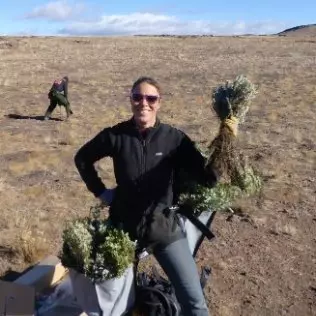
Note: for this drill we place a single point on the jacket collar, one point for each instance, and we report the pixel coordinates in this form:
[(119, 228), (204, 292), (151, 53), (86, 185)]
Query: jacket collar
[(146, 132), (133, 123)]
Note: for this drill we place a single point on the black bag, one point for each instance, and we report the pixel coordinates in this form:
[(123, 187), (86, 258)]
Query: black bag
[(155, 295)]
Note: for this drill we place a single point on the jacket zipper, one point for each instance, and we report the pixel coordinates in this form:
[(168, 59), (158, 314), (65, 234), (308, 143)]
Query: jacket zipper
[(142, 166), (144, 152), (144, 143)]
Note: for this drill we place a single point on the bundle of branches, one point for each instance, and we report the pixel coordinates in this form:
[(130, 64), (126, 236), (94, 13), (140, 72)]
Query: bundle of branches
[(231, 103), (93, 247), (197, 198)]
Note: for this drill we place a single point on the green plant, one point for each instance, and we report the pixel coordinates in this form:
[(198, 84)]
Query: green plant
[(93, 247), (233, 98)]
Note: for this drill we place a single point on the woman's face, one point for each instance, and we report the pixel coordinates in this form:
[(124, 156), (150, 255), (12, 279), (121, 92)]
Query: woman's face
[(145, 101)]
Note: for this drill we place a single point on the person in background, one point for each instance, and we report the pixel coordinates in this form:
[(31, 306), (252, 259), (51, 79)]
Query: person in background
[(146, 156), (58, 94)]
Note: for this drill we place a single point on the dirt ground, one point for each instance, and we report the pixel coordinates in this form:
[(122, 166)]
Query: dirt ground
[(263, 260)]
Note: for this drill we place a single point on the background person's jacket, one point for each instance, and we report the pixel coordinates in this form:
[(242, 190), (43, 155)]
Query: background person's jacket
[(144, 168), (60, 86)]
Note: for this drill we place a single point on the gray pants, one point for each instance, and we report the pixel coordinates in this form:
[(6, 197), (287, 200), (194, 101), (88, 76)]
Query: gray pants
[(179, 265)]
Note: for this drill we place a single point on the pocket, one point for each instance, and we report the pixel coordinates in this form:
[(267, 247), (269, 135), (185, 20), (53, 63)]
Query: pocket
[(164, 226)]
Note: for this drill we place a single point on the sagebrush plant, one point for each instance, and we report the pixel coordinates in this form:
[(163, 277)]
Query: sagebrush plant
[(93, 247), (230, 102), (116, 243), (246, 182), (247, 178), (77, 245), (233, 98), (200, 198)]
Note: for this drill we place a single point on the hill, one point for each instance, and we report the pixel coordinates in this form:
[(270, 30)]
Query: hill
[(302, 30)]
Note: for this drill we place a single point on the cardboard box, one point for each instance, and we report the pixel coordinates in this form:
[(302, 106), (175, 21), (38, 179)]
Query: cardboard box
[(43, 275), (16, 299)]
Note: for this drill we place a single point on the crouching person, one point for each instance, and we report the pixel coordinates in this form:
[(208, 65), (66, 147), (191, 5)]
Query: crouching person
[(58, 94)]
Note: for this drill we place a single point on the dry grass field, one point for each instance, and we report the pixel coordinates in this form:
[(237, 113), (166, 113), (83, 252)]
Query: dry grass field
[(263, 260)]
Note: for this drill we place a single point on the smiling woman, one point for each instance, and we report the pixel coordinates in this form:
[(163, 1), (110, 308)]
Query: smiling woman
[(147, 155), (145, 101)]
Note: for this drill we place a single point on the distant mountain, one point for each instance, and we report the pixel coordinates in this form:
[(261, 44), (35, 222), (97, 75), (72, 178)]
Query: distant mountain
[(301, 30)]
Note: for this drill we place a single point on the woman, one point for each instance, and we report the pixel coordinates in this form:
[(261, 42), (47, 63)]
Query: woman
[(58, 94), (147, 155)]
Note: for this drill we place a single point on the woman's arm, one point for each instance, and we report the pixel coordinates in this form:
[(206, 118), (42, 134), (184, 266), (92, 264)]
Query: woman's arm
[(189, 158), (97, 148)]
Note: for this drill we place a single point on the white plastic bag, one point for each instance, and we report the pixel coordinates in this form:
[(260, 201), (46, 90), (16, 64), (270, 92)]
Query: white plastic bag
[(192, 233), (111, 297), (116, 296)]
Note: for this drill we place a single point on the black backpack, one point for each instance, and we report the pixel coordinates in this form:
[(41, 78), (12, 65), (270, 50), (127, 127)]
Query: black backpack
[(155, 295)]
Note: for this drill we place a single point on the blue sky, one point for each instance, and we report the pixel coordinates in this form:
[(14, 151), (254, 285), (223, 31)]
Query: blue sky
[(130, 17)]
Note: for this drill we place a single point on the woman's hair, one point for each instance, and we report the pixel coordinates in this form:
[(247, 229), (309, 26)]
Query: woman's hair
[(66, 78), (148, 80)]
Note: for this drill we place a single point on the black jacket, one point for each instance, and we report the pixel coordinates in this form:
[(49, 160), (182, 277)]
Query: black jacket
[(145, 167)]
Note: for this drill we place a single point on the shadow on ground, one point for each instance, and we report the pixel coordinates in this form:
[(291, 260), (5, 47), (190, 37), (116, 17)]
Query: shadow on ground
[(27, 117)]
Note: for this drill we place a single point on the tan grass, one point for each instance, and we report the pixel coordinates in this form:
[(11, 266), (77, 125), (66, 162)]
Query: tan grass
[(32, 248), (29, 243)]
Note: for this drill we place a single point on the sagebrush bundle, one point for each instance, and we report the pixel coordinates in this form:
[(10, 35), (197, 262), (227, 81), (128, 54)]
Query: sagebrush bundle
[(231, 103), (93, 247)]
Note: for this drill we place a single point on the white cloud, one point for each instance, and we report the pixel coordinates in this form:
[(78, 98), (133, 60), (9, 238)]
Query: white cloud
[(55, 11), (155, 24)]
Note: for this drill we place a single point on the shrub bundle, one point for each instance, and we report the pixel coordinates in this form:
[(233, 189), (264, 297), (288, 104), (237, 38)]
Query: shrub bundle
[(93, 247), (231, 103)]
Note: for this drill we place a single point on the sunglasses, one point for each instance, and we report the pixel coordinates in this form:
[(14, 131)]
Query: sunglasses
[(137, 97)]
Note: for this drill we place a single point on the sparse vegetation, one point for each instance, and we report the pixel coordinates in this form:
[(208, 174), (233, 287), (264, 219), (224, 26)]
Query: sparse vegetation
[(31, 247)]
